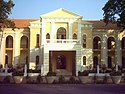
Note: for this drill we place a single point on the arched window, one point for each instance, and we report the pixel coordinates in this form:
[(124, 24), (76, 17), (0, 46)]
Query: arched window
[(111, 43), (109, 62), (47, 36), (9, 42), (61, 62), (95, 61), (123, 61), (96, 43), (37, 60), (61, 33), (84, 60), (74, 36), (24, 42), (84, 40), (123, 43), (37, 40)]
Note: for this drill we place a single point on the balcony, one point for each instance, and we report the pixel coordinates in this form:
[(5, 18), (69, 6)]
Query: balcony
[(62, 44), (74, 41)]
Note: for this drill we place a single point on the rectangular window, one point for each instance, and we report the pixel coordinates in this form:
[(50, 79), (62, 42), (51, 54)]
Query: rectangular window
[(37, 40)]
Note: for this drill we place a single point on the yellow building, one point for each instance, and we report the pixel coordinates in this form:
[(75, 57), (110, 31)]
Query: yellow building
[(62, 42)]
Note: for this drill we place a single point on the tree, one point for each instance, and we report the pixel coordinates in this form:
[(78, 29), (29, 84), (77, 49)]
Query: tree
[(114, 12), (5, 10)]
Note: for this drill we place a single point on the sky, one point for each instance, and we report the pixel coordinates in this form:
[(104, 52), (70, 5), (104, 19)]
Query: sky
[(32, 9)]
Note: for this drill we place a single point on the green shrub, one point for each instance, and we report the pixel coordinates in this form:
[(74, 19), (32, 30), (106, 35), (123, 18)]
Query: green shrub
[(50, 73), (84, 73), (116, 73)]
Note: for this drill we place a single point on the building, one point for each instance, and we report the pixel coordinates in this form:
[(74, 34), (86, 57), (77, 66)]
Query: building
[(61, 41)]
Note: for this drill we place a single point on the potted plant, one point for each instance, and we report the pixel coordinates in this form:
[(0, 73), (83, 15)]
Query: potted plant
[(116, 76), (18, 76), (83, 76)]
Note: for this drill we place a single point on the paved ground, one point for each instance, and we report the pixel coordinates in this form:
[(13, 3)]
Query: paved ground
[(61, 89)]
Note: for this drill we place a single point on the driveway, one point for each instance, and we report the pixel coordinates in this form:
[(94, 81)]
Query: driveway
[(61, 89)]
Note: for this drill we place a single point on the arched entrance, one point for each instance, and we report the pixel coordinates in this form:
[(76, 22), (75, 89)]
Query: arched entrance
[(61, 33)]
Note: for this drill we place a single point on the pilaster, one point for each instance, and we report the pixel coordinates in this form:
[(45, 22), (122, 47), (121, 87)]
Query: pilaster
[(118, 54), (70, 30), (16, 49), (52, 29), (104, 50), (43, 38), (79, 30)]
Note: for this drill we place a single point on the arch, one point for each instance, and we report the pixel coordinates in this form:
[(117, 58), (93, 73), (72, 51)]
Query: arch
[(123, 43), (74, 36), (24, 42), (96, 43), (61, 62), (84, 60), (9, 42), (111, 43), (61, 33), (109, 62), (95, 61), (47, 36)]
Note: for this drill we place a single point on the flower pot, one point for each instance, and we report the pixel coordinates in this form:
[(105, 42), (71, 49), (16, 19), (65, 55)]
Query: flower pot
[(18, 79), (84, 79), (116, 79)]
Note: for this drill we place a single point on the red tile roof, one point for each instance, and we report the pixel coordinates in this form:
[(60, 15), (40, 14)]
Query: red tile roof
[(22, 23), (97, 24), (101, 25)]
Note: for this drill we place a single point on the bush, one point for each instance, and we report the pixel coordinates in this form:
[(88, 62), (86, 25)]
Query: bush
[(6, 80), (84, 73), (34, 71), (116, 73), (61, 80), (72, 80), (17, 73), (39, 79), (50, 73)]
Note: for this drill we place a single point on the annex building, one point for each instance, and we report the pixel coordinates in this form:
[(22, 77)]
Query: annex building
[(62, 42)]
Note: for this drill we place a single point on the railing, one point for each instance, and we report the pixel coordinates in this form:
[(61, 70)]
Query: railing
[(62, 41)]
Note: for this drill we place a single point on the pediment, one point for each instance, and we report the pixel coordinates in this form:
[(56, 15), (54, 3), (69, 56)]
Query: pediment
[(60, 13)]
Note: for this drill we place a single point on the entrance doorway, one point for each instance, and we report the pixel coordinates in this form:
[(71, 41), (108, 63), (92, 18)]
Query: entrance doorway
[(62, 61)]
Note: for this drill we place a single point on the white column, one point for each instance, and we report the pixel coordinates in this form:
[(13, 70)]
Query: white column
[(70, 30), (118, 55), (43, 38), (16, 49), (79, 31), (104, 50), (52, 30)]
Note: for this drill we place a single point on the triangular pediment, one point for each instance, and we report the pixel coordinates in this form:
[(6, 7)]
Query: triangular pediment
[(62, 13)]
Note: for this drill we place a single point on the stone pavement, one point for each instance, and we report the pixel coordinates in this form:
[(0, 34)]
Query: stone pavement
[(62, 89)]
